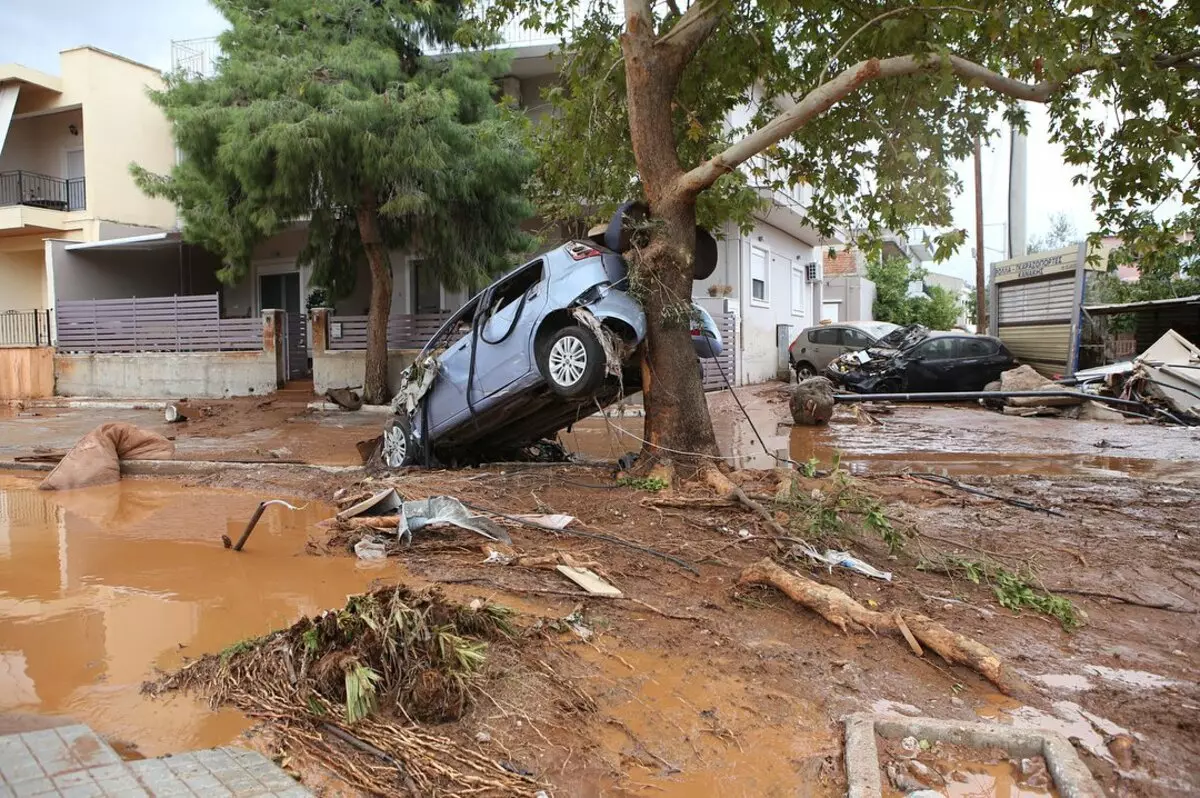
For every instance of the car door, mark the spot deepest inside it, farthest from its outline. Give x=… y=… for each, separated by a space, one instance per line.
x=931 y=365
x=506 y=322
x=824 y=345
x=853 y=340
x=975 y=363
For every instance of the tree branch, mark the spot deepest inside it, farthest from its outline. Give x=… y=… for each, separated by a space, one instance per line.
x=825 y=96
x=879 y=18
x=696 y=25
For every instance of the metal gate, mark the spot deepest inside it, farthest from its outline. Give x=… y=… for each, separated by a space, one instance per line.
x=713 y=379
x=295 y=346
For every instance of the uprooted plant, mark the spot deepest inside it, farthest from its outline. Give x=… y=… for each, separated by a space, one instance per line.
x=1013 y=590
x=366 y=675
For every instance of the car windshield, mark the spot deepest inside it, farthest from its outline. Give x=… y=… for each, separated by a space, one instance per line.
x=903 y=337
x=876 y=329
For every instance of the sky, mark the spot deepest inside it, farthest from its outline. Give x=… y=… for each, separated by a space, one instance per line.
x=36 y=30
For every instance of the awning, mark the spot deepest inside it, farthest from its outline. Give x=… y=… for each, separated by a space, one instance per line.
x=1133 y=307
x=143 y=243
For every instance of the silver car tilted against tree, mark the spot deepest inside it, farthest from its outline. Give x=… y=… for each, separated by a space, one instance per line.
x=550 y=343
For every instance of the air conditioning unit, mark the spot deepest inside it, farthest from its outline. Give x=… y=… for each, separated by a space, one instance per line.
x=812 y=272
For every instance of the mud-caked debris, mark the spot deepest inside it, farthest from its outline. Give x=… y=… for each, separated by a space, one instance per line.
x=812 y=401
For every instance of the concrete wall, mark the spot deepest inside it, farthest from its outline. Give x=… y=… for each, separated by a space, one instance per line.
x=40 y=143
x=22 y=281
x=345 y=368
x=856 y=295
x=97 y=274
x=760 y=355
x=26 y=373
x=121 y=126
x=166 y=375
x=105 y=96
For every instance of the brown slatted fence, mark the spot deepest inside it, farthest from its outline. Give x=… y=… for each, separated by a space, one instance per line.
x=154 y=324
x=410 y=331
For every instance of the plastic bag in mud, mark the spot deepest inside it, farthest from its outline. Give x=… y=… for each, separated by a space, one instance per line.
x=96 y=458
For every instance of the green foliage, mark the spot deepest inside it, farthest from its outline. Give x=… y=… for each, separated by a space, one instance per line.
x=876 y=519
x=651 y=484
x=327 y=109
x=936 y=308
x=361 y=692
x=1123 y=108
x=1013 y=590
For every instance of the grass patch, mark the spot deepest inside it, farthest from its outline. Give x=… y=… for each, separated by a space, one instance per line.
x=651 y=484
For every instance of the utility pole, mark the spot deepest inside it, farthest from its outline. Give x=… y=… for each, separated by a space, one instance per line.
x=980 y=289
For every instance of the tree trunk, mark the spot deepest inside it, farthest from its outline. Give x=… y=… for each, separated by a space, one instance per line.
x=678 y=426
x=375 y=380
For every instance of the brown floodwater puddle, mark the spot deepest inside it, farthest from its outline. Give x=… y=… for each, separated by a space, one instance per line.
x=981 y=780
x=99 y=587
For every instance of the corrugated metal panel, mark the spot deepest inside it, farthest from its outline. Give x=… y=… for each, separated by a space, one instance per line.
x=1045 y=300
x=1043 y=346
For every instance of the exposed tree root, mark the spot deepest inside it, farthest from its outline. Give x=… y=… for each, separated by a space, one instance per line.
x=844 y=612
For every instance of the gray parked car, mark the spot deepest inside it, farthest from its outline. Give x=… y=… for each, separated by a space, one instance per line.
x=545 y=345
x=817 y=347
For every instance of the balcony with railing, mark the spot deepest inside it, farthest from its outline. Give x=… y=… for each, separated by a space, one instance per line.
x=37 y=190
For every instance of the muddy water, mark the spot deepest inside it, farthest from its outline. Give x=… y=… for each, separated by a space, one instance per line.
x=960 y=440
x=101 y=586
x=982 y=780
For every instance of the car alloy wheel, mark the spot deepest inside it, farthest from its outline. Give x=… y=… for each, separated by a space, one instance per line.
x=804 y=372
x=568 y=361
x=396 y=448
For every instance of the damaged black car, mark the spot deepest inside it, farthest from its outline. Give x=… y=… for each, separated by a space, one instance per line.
x=913 y=359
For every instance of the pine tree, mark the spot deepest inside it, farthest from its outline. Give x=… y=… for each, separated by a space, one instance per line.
x=327 y=110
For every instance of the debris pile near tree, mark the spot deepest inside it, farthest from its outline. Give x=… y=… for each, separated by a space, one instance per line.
x=367 y=676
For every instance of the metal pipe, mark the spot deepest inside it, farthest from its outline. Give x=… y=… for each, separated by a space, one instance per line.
x=967 y=396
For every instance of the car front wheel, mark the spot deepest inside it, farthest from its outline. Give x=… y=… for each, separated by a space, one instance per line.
x=397 y=449
x=573 y=362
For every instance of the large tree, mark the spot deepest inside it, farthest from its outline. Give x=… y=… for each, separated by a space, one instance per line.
x=327 y=110
x=870 y=103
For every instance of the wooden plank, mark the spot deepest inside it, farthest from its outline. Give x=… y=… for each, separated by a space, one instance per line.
x=589 y=581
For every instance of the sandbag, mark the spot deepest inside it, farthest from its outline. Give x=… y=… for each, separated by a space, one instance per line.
x=96 y=458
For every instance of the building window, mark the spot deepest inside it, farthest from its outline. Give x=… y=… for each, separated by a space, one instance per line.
x=758 y=274
x=797 y=291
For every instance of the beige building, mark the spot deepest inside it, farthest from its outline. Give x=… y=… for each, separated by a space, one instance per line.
x=66 y=144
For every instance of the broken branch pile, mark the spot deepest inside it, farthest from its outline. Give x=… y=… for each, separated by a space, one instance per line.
x=347 y=677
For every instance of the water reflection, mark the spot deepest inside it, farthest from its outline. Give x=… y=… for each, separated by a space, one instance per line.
x=100 y=586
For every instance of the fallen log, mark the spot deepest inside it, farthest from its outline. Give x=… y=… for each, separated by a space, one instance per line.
x=845 y=613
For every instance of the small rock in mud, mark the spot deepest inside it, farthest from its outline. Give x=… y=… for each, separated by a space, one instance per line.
x=925 y=773
x=1033 y=773
x=901 y=779
x=1121 y=747
x=956 y=701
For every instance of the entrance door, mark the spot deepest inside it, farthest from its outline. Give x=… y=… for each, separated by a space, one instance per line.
x=426 y=290
x=279 y=291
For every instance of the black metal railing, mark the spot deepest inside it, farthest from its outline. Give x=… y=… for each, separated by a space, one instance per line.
x=25 y=327
x=20 y=187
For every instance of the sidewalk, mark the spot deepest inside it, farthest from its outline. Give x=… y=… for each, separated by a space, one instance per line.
x=72 y=762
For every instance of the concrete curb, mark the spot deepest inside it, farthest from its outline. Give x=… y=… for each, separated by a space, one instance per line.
x=179 y=468
x=99 y=404
x=1070 y=774
x=330 y=407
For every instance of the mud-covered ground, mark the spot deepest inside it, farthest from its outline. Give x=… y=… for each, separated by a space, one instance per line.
x=702 y=687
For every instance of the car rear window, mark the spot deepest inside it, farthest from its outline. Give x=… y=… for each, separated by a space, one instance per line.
x=976 y=347
x=825 y=335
